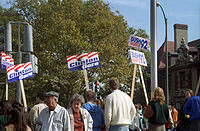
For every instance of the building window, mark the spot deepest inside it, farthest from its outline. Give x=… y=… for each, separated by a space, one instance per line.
x=182 y=80
x=170 y=82
x=189 y=79
x=176 y=81
x=198 y=75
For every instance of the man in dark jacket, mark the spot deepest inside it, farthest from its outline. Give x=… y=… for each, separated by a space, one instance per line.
x=192 y=108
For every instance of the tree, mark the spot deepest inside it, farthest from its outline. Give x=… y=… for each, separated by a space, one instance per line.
x=69 y=27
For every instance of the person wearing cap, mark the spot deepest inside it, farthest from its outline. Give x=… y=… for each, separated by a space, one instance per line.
x=80 y=119
x=35 y=111
x=54 y=117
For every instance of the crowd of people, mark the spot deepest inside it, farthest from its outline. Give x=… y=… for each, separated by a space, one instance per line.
x=116 y=113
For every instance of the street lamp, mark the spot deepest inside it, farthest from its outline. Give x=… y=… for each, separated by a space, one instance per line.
x=166 y=51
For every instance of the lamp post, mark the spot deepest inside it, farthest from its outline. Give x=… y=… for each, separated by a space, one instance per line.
x=166 y=52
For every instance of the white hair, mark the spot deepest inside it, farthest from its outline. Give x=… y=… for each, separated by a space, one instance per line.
x=56 y=98
x=77 y=97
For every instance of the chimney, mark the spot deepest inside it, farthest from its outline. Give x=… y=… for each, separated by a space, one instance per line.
x=180 y=31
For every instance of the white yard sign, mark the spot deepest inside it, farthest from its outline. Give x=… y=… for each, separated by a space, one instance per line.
x=137 y=57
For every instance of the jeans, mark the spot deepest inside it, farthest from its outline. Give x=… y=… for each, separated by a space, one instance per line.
x=119 y=128
x=170 y=129
x=157 y=127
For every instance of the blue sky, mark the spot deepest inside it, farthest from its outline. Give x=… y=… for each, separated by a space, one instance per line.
x=137 y=15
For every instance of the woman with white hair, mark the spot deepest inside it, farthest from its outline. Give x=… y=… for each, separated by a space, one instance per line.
x=80 y=119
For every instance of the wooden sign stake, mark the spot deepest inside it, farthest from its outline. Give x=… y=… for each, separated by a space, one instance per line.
x=133 y=81
x=143 y=85
x=86 y=79
x=6 y=87
x=197 y=88
x=23 y=93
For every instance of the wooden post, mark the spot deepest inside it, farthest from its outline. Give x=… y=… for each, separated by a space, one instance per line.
x=6 y=87
x=133 y=81
x=23 y=93
x=197 y=88
x=143 y=85
x=86 y=79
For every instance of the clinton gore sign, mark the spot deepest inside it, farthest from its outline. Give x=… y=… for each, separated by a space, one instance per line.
x=6 y=60
x=83 y=61
x=138 y=57
x=19 y=72
x=138 y=42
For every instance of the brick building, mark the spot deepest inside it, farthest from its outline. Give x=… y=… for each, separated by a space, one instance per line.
x=184 y=65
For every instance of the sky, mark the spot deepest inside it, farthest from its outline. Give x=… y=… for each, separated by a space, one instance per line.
x=137 y=15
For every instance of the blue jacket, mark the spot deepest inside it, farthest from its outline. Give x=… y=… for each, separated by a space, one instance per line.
x=97 y=115
x=192 y=107
x=3 y=121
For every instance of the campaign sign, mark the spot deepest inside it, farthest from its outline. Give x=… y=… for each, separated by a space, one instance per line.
x=138 y=57
x=19 y=72
x=138 y=42
x=83 y=61
x=6 y=60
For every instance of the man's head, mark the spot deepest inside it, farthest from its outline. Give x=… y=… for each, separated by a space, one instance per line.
x=90 y=96
x=169 y=107
x=52 y=99
x=188 y=93
x=114 y=83
x=40 y=98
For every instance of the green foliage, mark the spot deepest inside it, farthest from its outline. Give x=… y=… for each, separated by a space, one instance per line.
x=69 y=27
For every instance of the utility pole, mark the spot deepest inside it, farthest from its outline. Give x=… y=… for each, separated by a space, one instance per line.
x=19 y=95
x=153 y=32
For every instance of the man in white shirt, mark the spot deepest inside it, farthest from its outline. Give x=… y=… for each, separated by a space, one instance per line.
x=119 y=108
x=54 y=117
x=35 y=111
